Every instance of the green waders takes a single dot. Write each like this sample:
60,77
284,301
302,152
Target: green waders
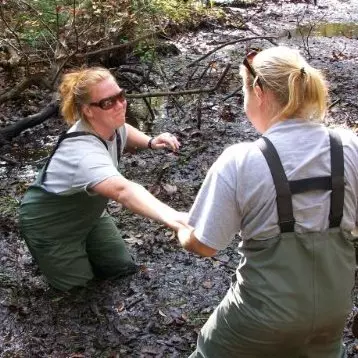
291,294
69,236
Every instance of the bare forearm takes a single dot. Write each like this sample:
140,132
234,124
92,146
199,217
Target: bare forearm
190,243
137,199
136,138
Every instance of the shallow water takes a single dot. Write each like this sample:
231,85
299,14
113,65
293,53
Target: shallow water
349,30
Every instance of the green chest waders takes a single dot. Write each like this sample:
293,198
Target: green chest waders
69,236
292,293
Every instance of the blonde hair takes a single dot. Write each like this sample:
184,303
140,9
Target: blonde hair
300,90
74,90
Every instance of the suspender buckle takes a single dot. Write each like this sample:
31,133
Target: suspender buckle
287,226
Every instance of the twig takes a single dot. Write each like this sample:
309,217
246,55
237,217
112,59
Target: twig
232,94
60,68
8,160
74,24
198,112
133,303
230,43
257,34
205,71
334,103
137,88
190,77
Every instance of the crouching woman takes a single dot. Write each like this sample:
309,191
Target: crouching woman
63,216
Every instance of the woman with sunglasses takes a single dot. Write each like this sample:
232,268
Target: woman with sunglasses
293,197
62,216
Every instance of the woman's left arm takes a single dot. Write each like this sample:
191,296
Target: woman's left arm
138,139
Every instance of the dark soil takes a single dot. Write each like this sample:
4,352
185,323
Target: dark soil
158,311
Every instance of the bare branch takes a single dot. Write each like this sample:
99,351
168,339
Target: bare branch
117,47
145,100
12,131
74,24
230,43
185,92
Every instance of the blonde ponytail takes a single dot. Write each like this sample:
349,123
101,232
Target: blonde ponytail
74,91
300,90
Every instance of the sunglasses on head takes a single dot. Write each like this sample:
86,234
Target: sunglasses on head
110,102
247,63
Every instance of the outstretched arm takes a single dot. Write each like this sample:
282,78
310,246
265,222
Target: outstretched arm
140,201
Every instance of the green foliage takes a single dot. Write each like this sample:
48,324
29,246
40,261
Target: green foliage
157,14
52,29
174,11
39,20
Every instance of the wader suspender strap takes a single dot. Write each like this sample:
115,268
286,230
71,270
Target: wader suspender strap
337,175
60,139
119,145
285,189
283,192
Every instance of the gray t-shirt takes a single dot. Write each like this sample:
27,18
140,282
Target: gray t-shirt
238,194
82,162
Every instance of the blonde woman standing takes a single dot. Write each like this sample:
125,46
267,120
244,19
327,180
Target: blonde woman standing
293,196
62,216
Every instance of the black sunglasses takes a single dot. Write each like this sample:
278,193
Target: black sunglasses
110,102
248,58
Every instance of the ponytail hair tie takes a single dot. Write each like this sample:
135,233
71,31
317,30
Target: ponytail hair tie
303,72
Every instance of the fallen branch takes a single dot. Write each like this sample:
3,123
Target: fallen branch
26,83
8,161
9,132
14,130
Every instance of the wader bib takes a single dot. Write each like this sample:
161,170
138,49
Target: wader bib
71,237
292,293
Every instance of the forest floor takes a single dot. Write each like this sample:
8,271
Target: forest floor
158,311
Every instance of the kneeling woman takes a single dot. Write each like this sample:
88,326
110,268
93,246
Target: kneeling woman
62,216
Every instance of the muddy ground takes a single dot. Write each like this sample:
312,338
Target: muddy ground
158,311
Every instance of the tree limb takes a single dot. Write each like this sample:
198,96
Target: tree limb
24,84
14,130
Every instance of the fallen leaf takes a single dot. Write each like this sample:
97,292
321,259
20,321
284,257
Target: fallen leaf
207,284
170,189
120,307
134,241
154,189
